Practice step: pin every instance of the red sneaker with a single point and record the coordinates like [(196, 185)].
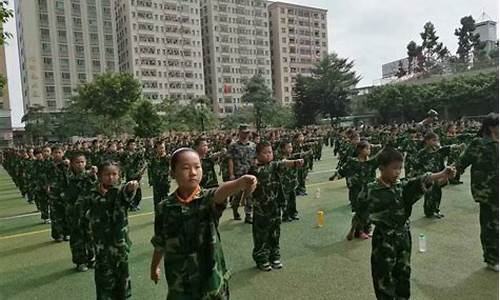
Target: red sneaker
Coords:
[(364, 236)]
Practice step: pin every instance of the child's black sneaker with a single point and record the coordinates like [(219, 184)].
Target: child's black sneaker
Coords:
[(276, 264), (265, 267)]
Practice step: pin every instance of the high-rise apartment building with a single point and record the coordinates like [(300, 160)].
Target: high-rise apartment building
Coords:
[(63, 43), (159, 41), (299, 39), (235, 48), (5, 118)]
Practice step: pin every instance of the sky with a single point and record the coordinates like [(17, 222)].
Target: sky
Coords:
[(370, 32)]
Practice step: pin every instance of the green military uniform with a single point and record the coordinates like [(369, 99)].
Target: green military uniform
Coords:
[(108, 216), (40, 174), (289, 182), (187, 235), (242, 156), (268, 199), (209, 179), (57, 181), (389, 208), (411, 148), (305, 151), (158, 169), (482, 154), (133, 165), (75, 193), (429, 160), (454, 153), (358, 174)]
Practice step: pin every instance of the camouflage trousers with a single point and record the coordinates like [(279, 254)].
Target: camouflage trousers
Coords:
[(360, 220), (432, 200), (237, 199), (222, 295), (390, 260), (290, 205), (58, 225), (112, 278), (42, 203), (160, 192), (80, 243), (302, 175), (266, 238), (488, 219), (138, 193)]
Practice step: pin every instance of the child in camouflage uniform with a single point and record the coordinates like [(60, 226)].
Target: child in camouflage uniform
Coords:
[(389, 203), (268, 198), (108, 205), (79, 183), (186, 235), (359, 171), (482, 156), (158, 170), (432, 159), (57, 180)]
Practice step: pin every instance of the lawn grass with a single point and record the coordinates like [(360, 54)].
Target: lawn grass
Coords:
[(318, 262)]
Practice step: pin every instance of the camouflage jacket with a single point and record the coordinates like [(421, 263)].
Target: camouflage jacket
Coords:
[(57, 176), (133, 164), (108, 217), (187, 235), (359, 173), (390, 207), (242, 156), (268, 196), (209, 178), (482, 154), (432, 161), (159, 170)]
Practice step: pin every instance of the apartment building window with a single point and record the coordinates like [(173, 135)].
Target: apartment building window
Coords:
[(60, 5)]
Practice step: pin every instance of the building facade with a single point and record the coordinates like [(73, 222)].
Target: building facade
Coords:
[(63, 43), (160, 43), (5, 118), (235, 48), (299, 39)]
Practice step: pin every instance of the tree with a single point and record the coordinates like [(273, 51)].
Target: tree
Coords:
[(110, 95), (5, 15), (148, 122), (467, 39), (333, 85), (401, 70), (415, 58), (433, 51), (258, 93), (306, 107), (37, 126), (455, 97)]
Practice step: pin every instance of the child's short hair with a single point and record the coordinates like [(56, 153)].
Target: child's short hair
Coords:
[(362, 145), (75, 155), (389, 156), (158, 143), (37, 151), (57, 147), (430, 135), (199, 140), (284, 143), (107, 163), (130, 141), (261, 146), (177, 153)]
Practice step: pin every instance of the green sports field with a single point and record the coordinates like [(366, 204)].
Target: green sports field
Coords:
[(318, 262)]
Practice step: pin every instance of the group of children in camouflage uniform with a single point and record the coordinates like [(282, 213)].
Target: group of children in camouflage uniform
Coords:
[(79, 188)]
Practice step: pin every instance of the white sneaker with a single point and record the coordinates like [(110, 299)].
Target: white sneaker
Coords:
[(276, 264), (82, 268), (493, 267)]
